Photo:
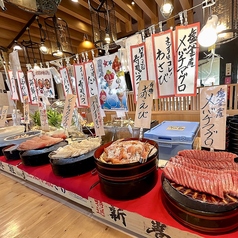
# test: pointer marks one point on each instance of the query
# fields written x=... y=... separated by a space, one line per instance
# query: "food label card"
x=26 y=110
x=213 y=104
x=68 y=110
x=144 y=104
x=43 y=114
x=3 y=115
x=13 y=86
x=96 y=115
x=32 y=88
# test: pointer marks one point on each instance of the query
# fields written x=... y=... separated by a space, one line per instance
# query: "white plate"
x=18 y=139
x=10 y=131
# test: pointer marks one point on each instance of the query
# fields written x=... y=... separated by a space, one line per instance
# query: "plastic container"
x=173 y=136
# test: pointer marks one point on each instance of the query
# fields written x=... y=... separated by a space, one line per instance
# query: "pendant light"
x=208 y=35
x=166 y=8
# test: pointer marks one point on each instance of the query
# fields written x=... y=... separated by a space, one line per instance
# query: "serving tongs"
x=144 y=160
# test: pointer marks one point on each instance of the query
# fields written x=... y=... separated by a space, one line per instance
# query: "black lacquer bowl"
x=68 y=167
x=10 y=152
x=212 y=216
x=39 y=156
x=127 y=181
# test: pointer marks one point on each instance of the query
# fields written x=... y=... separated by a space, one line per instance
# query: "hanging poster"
x=163 y=53
x=151 y=64
x=13 y=87
x=186 y=60
x=32 y=88
x=144 y=104
x=22 y=85
x=213 y=104
x=91 y=78
x=81 y=86
x=111 y=82
x=66 y=81
x=44 y=82
x=139 y=66
x=96 y=116
x=14 y=62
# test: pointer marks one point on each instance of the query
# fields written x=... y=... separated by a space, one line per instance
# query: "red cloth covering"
x=150 y=205
x=12 y=162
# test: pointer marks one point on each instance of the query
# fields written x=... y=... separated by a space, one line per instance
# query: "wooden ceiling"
x=129 y=19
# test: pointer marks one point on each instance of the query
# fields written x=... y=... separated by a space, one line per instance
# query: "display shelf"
x=142 y=217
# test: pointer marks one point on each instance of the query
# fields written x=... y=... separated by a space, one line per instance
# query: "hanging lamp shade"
x=85 y=45
x=103 y=23
x=58 y=35
x=227 y=27
x=38 y=7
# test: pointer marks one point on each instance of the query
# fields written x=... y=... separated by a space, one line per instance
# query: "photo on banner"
x=44 y=82
x=186 y=59
x=163 y=52
x=111 y=82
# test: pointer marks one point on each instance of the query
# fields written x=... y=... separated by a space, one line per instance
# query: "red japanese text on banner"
x=32 y=88
x=26 y=113
x=139 y=66
x=3 y=117
x=22 y=85
x=151 y=64
x=43 y=114
x=186 y=59
x=68 y=110
x=91 y=78
x=81 y=86
x=66 y=81
x=163 y=52
x=13 y=86
x=96 y=116
x=213 y=104
x=44 y=82
x=111 y=82
x=144 y=104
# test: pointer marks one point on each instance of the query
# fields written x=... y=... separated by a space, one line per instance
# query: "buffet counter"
x=145 y=216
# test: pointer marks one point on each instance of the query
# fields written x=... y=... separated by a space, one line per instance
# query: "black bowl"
x=127 y=181
x=11 y=153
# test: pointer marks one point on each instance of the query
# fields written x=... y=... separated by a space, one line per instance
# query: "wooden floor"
x=25 y=213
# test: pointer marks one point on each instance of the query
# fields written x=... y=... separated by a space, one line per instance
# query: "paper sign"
x=144 y=104
x=44 y=82
x=91 y=78
x=68 y=110
x=186 y=60
x=163 y=52
x=66 y=81
x=22 y=85
x=32 y=88
x=13 y=86
x=139 y=66
x=213 y=104
x=96 y=116
x=26 y=110
x=43 y=114
x=112 y=83
x=151 y=63
x=3 y=115
x=81 y=86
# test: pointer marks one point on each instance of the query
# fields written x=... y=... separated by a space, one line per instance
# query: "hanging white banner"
x=91 y=78
x=213 y=104
x=81 y=86
x=32 y=88
x=163 y=52
x=186 y=60
x=111 y=82
x=22 y=85
x=44 y=82
x=66 y=81
x=139 y=66
x=13 y=86
x=151 y=64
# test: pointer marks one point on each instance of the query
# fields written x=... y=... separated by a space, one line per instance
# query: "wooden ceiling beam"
x=187 y=4
x=150 y=9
